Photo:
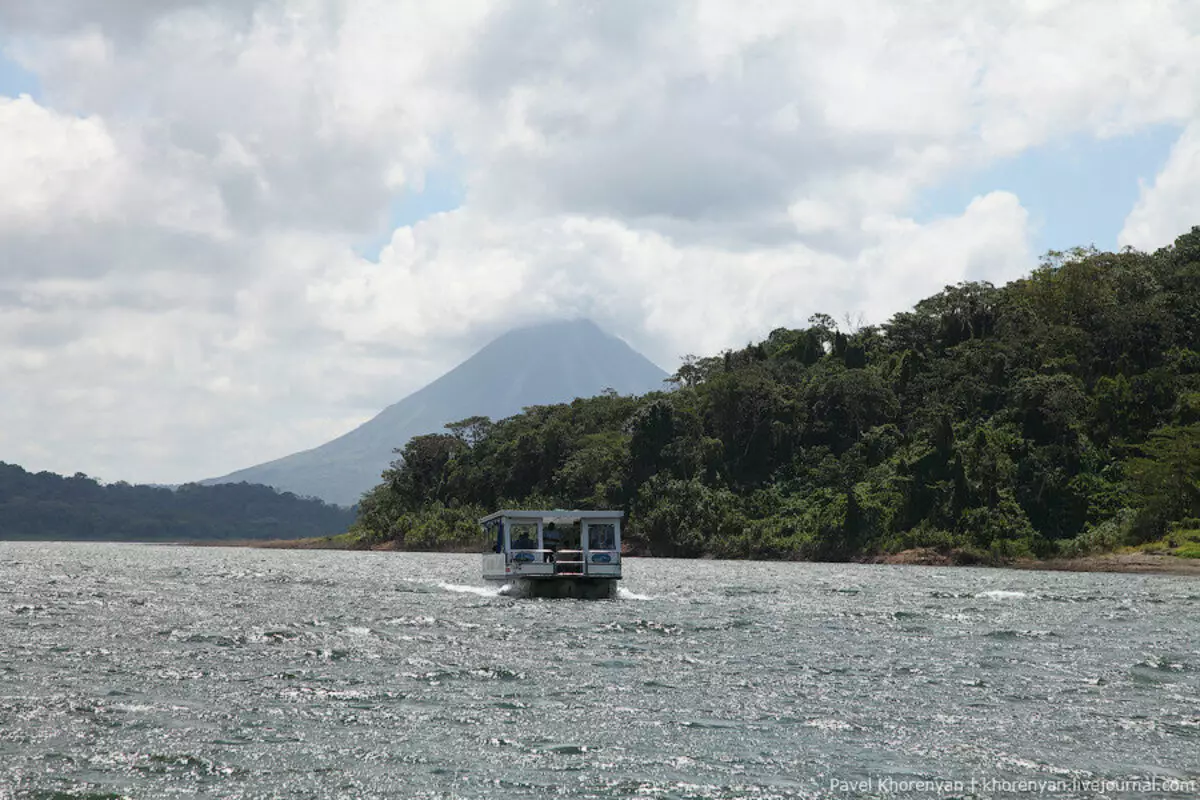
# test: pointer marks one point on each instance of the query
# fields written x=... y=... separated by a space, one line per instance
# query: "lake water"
x=153 y=672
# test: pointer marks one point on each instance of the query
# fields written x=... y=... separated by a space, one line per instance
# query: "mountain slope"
x=549 y=363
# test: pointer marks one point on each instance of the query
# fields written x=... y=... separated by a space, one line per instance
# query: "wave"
x=1001 y=594
x=625 y=594
x=1008 y=633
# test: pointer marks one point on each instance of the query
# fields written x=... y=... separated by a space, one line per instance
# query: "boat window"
x=523 y=536
x=569 y=535
x=602 y=536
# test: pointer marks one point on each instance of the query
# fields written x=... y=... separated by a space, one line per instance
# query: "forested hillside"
x=49 y=506
x=1057 y=414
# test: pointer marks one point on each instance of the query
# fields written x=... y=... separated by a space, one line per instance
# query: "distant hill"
x=46 y=506
x=540 y=365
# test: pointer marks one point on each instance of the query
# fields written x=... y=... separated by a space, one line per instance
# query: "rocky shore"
x=1135 y=562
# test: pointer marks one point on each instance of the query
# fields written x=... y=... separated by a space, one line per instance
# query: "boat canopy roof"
x=557 y=513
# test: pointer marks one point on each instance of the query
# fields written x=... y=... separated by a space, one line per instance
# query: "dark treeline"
x=1059 y=414
x=49 y=506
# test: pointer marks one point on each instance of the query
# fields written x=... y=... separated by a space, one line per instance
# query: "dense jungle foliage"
x=1059 y=414
x=48 y=506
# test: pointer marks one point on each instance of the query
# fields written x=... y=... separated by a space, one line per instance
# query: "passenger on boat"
x=550 y=539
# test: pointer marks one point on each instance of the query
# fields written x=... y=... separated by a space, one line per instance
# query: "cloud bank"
x=182 y=285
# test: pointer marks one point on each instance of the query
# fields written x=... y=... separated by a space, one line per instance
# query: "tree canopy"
x=998 y=421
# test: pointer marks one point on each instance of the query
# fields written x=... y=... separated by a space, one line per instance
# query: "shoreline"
x=1130 y=563
x=1127 y=563
x=1135 y=563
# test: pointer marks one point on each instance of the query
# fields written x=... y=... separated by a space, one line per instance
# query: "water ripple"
x=147 y=672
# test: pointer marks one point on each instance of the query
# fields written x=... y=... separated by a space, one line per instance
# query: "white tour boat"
x=554 y=553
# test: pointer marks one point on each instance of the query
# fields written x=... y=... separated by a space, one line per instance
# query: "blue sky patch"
x=1078 y=191
x=443 y=191
x=15 y=80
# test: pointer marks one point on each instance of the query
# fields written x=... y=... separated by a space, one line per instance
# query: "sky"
x=235 y=229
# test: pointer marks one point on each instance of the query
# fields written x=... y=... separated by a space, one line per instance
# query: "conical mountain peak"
x=537 y=364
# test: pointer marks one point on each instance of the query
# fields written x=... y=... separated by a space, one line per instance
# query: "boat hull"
x=561 y=587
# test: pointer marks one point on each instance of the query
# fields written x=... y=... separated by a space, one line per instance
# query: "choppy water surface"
x=142 y=671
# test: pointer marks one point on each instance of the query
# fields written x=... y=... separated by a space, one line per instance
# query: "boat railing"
x=566 y=562
x=569 y=562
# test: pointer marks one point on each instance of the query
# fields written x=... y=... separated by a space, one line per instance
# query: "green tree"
x=1166 y=478
x=420 y=475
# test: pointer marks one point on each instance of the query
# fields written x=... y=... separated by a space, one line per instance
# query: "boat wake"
x=478 y=591
x=625 y=594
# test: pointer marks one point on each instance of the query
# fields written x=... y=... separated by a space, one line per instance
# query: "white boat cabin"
x=580 y=546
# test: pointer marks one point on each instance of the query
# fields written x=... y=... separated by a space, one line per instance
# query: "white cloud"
x=667 y=297
x=1171 y=206
x=55 y=166
x=1101 y=68
x=179 y=293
